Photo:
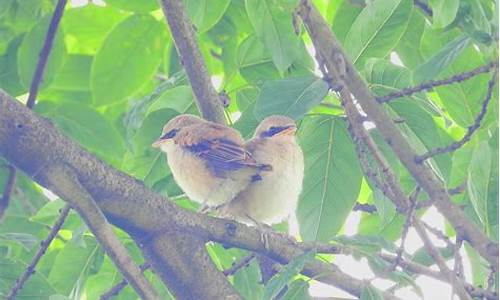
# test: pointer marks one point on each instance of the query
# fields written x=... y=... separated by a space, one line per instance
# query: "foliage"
x=105 y=87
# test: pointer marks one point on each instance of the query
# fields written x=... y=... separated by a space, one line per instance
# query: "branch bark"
x=208 y=102
x=65 y=183
x=33 y=92
x=164 y=231
x=33 y=145
x=327 y=45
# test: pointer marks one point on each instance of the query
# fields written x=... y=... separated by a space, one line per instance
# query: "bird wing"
x=222 y=156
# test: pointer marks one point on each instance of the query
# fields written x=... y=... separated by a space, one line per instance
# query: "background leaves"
x=114 y=78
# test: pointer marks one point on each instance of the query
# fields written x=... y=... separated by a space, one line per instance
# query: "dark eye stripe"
x=169 y=134
x=273 y=131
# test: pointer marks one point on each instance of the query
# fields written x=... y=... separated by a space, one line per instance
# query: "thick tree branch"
x=33 y=144
x=65 y=183
x=329 y=48
x=163 y=230
x=209 y=104
x=41 y=251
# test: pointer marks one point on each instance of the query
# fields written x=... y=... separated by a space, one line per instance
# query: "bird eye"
x=170 y=134
x=273 y=130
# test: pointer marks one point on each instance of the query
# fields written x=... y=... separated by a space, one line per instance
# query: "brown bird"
x=208 y=160
x=273 y=198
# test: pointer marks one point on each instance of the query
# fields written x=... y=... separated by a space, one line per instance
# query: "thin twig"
x=406 y=228
x=238 y=265
x=459 y=289
x=35 y=84
x=365 y=207
x=116 y=289
x=326 y=44
x=41 y=251
x=428 y=85
x=470 y=130
x=458 y=189
x=7 y=190
x=424 y=7
x=440 y=235
x=417 y=268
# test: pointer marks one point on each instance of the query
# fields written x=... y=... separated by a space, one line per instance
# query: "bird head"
x=276 y=126
x=172 y=128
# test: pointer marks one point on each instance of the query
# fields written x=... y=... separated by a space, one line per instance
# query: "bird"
x=208 y=160
x=274 y=197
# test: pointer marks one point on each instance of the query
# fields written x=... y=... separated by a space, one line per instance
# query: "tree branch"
x=41 y=251
x=238 y=265
x=163 y=230
x=208 y=102
x=423 y=270
x=64 y=181
x=35 y=84
x=428 y=85
x=327 y=45
x=10 y=183
x=32 y=144
x=471 y=129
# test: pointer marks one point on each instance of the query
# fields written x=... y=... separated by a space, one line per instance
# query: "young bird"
x=273 y=198
x=208 y=160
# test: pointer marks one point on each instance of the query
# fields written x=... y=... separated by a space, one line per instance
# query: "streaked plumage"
x=208 y=160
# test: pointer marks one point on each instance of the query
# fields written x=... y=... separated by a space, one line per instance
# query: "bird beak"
x=157 y=143
x=290 y=130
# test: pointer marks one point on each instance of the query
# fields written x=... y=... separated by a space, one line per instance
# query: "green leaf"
x=297 y=290
x=344 y=18
x=282 y=278
x=479 y=179
x=128 y=58
x=178 y=98
x=135 y=6
x=371 y=293
x=71 y=265
x=35 y=288
x=28 y=241
x=292 y=97
x=274 y=28
x=9 y=78
x=29 y=51
x=86 y=27
x=205 y=13
x=493 y=188
x=443 y=12
x=377 y=29
x=385 y=208
x=246 y=281
x=418 y=125
x=332 y=177
x=4 y=7
x=74 y=74
x=144 y=162
x=442 y=59
x=463 y=100
x=87 y=126
x=408 y=48
x=253 y=61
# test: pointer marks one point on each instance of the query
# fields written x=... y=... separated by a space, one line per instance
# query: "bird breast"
x=275 y=197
